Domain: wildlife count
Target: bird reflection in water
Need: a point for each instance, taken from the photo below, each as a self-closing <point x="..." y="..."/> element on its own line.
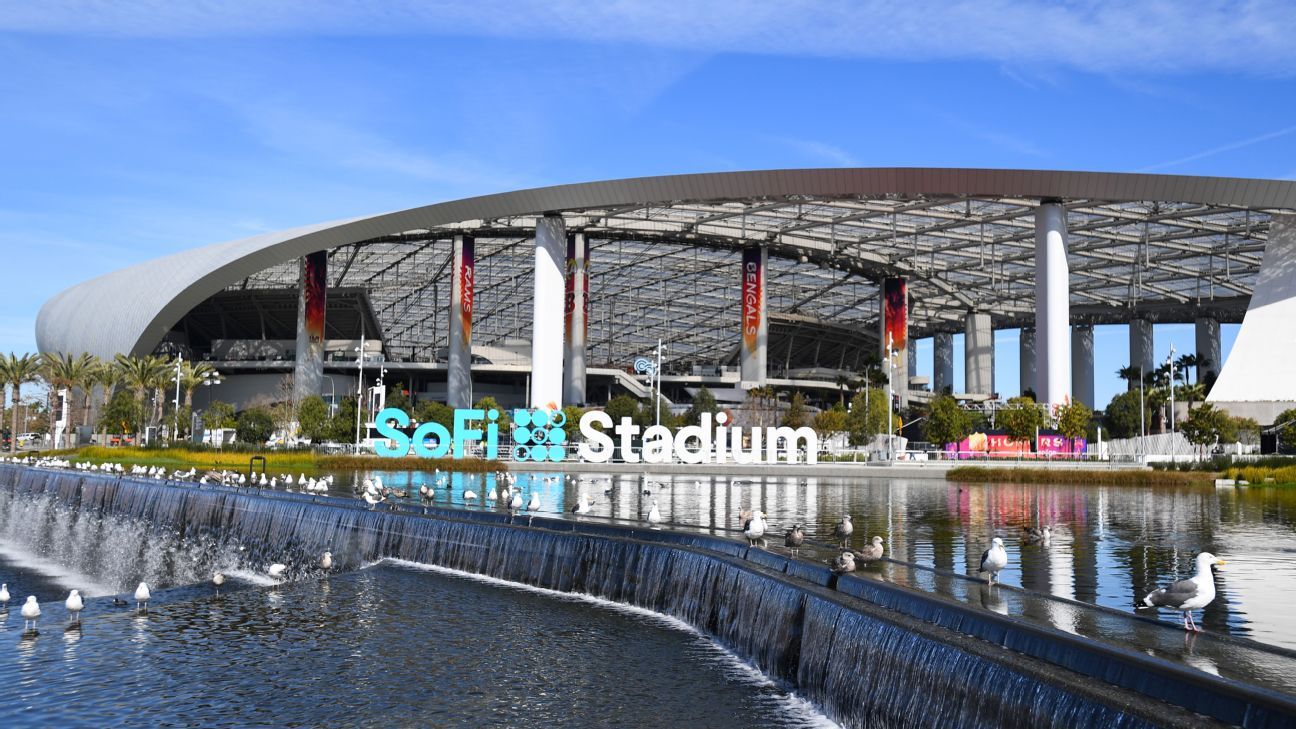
<point x="992" y="599"/>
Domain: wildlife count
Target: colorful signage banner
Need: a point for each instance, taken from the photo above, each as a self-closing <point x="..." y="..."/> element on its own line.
<point x="895" y="315"/>
<point x="314" y="292"/>
<point x="467" y="269"/>
<point x="753" y="295"/>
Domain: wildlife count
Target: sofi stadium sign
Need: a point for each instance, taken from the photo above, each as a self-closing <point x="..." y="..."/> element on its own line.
<point x="541" y="435"/>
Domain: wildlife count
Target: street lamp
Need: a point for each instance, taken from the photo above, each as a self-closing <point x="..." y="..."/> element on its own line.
<point x="360" y="357"/>
<point x="175" y="405"/>
<point x="1170" y="361"/>
<point x="657" y="372"/>
<point x="890" y="363"/>
<point x="209" y="379"/>
<point x="332" y="396"/>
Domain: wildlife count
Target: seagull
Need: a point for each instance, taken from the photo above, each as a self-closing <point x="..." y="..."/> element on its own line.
<point x="843" y="531"/>
<point x="654" y="515"/>
<point x="516" y="502"/>
<point x="218" y="579"/>
<point x="1036" y="535"/>
<point x="142" y="595"/>
<point x="372" y="500"/>
<point x="534" y="503"/>
<point x="30" y="613"/>
<point x="794" y="538"/>
<point x="4" y="597"/>
<point x="993" y="560"/>
<point x="583" y="505"/>
<point x="871" y="552"/>
<point x="326" y="562"/>
<point x="74" y="604"/>
<point x="754" y="528"/>
<point x="845" y="562"/>
<point x="276" y="570"/>
<point x="1194" y="593"/>
<point x="470" y="496"/>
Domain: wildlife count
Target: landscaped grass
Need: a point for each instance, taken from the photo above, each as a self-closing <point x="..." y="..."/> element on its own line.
<point x="1263" y="475"/>
<point x="1088" y="476"/>
<point x="288" y="461"/>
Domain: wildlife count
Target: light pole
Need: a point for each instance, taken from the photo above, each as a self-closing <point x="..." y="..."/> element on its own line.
<point x="1170" y="361"/>
<point x="657" y="372"/>
<point x="890" y="443"/>
<point x="209" y="379"/>
<point x="175" y="406"/>
<point x="332" y="396"/>
<point x="359" y="389"/>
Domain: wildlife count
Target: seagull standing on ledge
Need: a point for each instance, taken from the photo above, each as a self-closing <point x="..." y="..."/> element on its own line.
<point x="583" y="505"/>
<point x="993" y="560"/>
<point x="74" y="605"/>
<point x="872" y="552"/>
<point x="794" y="538"/>
<point x="30" y="613"/>
<point x="4" y="597"/>
<point x="845" y="562"/>
<point x="218" y="579"/>
<point x="654" y="515"/>
<point x="142" y="595"/>
<point x="1194" y="593"/>
<point x="754" y="529"/>
<point x="843" y="531"/>
<point x="534" y="503"/>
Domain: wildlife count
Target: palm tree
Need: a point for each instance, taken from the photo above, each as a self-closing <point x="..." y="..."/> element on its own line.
<point x="1130" y="375"/>
<point x="107" y="377"/>
<point x="192" y="376"/>
<point x="141" y="374"/>
<point x="1183" y="364"/>
<point x="15" y="372"/>
<point x="65" y="372"/>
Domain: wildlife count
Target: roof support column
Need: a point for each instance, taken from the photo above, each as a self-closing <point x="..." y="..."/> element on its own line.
<point x="893" y="334"/>
<point x="942" y="362"/>
<point x="1026" y="360"/>
<point x="1208" y="349"/>
<point x="978" y="354"/>
<point x="755" y="318"/>
<point x="547" y="313"/>
<point x="462" y="279"/>
<point x="1052" y="305"/>
<point x="1082" y="364"/>
<point x="1140" y="347"/>
<point x="308" y="374"/>
<point x="577" y="319"/>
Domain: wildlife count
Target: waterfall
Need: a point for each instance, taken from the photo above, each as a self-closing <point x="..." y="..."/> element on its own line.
<point x="863" y="668"/>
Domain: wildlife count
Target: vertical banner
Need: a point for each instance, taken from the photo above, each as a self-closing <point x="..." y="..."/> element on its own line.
<point x="755" y="322"/>
<point x="459" y="360"/>
<point x="895" y="331"/>
<point x="311" y="304"/>
<point x="576" y="319"/>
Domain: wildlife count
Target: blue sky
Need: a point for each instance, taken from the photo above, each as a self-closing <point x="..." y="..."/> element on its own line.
<point x="135" y="129"/>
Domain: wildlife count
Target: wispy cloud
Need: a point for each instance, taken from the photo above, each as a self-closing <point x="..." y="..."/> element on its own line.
<point x="1231" y="146"/>
<point x="1099" y="35"/>
<point x="815" y="152"/>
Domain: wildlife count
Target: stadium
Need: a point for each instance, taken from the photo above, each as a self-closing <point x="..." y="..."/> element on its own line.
<point x="788" y="279"/>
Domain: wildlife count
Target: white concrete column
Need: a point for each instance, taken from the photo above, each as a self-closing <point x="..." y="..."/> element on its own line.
<point x="1026" y="359"/>
<point x="1052" y="305"/>
<point x="755" y="318"/>
<point x="1082" y="365"/>
<point x="1208" y="349"/>
<point x="1140" y="346"/>
<point x="577" y="319"/>
<point x="462" y="288"/>
<point x="893" y="330"/>
<point x="312" y="301"/>
<point x="942" y="361"/>
<point x="978" y="354"/>
<point x="547" y="313"/>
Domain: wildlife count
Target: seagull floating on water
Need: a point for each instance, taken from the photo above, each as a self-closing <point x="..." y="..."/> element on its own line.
<point x="1194" y="593"/>
<point x="142" y="595"/>
<point x="1037" y="535"/>
<point x="794" y="538"/>
<point x="30" y="613"/>
<point x="843" y="531"/>
<point x="871" y="552"/>
<point x="74" y="604"/>
<point x="993" y="560"/>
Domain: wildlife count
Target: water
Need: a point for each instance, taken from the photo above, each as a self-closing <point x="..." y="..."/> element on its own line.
<point x="387" y="646"/>
<point x="1112" y="545"/>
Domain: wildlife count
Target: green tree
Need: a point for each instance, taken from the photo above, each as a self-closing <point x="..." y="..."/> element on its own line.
<point x="762" y="406"/>
<point x="1286" y="422"/>
<point x="1122" y="416"/>
<point x="219" y="415"/>
<point x="141" y="374"/>
<point x="396" y="398"/>
<point x="624" y="406"/>
<point x="255" y="425"/>
<point x="1205" y="425"/>
<point x="486" y="404"/>
<point x="313" y="418"/>
<point x="703" y="402"/>
<point x="342" y="426"/>
<point x="868" y="416"/>
<point x="797" y="414"/>
<point x="67" y="372"/>
<point x="663" y="415"/>
<point x="431" y="411"/>
<point x="122" y="414"/>
<point x="16" y="371"/>
<point x="832" y="420"/>
<point x="571" y="426"/>
<point x="1020" y="418"/>
<point x="1073" y="419"/>
<point x="947" y="423"/>
<point x="1244" y="430"/>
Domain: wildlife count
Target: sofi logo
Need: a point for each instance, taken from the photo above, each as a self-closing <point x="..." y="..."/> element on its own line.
<point x="540" y="435"/>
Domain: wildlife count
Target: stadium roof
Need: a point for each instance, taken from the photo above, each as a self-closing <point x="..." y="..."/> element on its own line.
<point x="664" y="257"/>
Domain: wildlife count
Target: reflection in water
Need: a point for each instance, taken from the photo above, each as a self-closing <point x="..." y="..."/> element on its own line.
<point x="1110" y="545"/>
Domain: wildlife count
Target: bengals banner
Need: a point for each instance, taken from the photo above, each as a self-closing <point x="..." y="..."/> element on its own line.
<point x="753" y="297"/>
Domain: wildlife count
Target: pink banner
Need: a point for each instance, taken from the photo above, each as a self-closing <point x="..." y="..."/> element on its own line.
<point x="752" y="300"/>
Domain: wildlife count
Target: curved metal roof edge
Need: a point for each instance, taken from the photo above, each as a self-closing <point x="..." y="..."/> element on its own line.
<point x="131" y="309"/>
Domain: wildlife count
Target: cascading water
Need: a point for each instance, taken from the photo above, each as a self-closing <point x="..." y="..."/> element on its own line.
<point x="862" y="670"/>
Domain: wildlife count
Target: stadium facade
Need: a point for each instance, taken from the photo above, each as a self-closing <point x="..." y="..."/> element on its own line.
<point x="791" y="278"/>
